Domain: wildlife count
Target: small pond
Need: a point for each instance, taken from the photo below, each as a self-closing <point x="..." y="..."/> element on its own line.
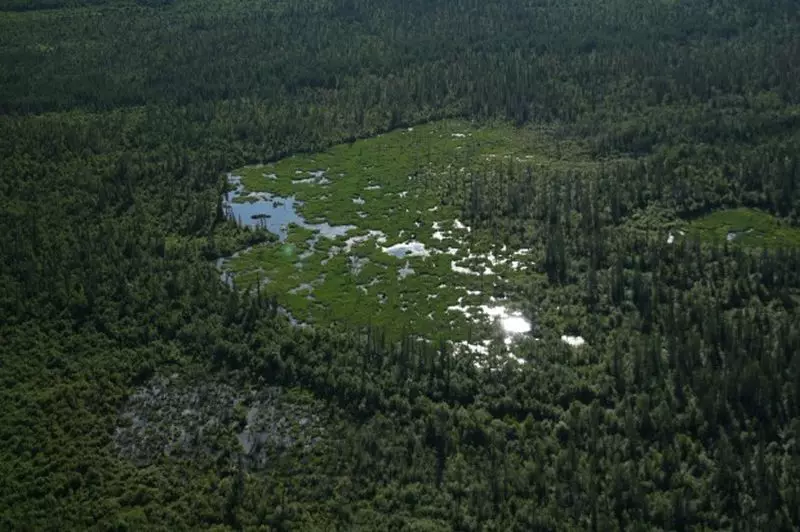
<point x="273" y="213"/>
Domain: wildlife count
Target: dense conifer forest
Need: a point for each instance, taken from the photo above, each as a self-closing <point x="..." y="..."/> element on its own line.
<point x="659" y="204"/>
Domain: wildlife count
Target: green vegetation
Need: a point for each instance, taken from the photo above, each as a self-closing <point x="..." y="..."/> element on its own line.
<point x="402" y="182"/>
<point x="426" y="158"/>
<point x="747" y="227"/>
<point x="658" y="389"/>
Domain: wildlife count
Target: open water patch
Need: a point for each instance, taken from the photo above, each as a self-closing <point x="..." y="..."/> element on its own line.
<point x="574" y="341"/>
<point x="353" y="241"/>
<point x="405" y="271"/>
<point x="452" y="256"/>
<point x="317" y="177"/>
<point x="513" y="323"/>
<point x="411" y="248"/>
<point x="272" y="212"/>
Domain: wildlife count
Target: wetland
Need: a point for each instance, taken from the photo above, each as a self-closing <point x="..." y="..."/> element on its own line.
<point x="367" y="236"/>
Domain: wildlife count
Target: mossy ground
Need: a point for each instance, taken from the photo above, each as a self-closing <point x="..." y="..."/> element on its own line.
<point x="750" y="228"/>
<point x="394" y="183"/>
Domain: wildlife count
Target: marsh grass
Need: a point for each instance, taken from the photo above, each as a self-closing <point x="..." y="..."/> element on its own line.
<point x="751" y="228"/>
<point x="401" y="177"/>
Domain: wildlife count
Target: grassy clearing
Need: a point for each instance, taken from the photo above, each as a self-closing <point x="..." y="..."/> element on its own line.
<point x="747" y="227"/>
<point x="391" y="185"/>
<point x="406" y="164"/>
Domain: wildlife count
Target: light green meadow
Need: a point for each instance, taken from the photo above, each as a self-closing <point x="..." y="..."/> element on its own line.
<point x="748" y="227"/>
<point x="393" y="189"/>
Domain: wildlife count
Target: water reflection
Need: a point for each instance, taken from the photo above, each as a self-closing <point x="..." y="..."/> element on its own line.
<point x="412" y="248"/>
<point x="272" y="212"/>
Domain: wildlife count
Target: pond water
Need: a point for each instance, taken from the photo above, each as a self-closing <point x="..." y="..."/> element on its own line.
<point x="273" y="213"/>
<point x="277" y="214"/>
<point x="512" y="322"/>
<point x="574" y="341"/>
<point x="379" y="237"/>
<point x="405" y="271"/>
<point x="412" y="248"/>
<point x="312" y="181"/>
<point x="458" y="224"/>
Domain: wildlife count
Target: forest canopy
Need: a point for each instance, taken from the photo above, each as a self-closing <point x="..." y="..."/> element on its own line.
<point x="638" y="158"/>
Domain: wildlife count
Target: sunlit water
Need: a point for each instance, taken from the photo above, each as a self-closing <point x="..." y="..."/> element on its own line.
<point x="512" y="322"/>
<point x="412" y="248"/>
<point x="574" y="341"/>
<point x="273" y="213"/>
